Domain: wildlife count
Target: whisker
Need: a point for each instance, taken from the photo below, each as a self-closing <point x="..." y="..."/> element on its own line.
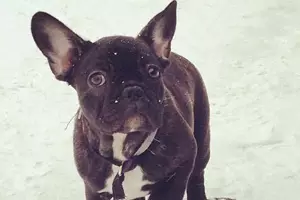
<point x="151" y="151"/>
<point x="170" y="177"/>
<point x="156" y="140"/>
<point x="72" y="119"/>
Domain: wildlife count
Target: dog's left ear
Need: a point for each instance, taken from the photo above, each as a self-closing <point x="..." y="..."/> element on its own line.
<point x="159" y="31"/>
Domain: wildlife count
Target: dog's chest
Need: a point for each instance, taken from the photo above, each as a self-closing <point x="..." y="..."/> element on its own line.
<point x="132" y="184"/>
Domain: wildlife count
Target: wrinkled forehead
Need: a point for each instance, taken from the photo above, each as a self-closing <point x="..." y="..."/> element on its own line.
<point x="123" y="43"/>
<point x="125" y="52"/>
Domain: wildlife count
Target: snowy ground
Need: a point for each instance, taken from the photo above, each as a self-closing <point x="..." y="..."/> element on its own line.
<point x="247" y="51"/>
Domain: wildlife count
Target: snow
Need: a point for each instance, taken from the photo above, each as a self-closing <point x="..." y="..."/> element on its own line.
<point x="247" y="51"/>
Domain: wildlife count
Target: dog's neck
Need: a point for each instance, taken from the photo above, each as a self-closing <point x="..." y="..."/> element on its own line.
<point x="102" y="144"/>
<point x="102" y="147"/>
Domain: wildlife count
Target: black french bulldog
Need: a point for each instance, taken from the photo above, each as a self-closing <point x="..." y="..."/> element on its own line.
<point x="143" y="123"/>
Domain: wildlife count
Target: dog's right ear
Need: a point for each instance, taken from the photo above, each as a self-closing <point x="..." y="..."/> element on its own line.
<point x="57" y="42"/>
<point x="159" y="31"/>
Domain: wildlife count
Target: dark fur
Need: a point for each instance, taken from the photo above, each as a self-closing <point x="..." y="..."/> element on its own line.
<point x="176" y="104"/>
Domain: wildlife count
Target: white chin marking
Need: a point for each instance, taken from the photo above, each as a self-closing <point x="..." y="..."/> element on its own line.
<point x="133" y="123"/>
<point x="118" y="143"/>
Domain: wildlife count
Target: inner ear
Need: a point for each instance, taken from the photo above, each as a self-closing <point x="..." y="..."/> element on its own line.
<point x="159" y="31"/>
<point x="61" y="46"/>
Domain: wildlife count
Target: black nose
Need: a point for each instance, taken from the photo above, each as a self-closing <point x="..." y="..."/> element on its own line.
<point x="133" y="93"/>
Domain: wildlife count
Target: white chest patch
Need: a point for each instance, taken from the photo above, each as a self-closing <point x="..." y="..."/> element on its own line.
<point x="132" y="184"/>
<point x="118" y="143"/>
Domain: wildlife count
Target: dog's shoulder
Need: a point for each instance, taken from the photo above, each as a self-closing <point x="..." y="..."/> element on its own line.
<point x="183" y="82"/>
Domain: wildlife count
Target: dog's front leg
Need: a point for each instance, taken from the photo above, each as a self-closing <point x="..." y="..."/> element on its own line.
<point x="173" y="187"/>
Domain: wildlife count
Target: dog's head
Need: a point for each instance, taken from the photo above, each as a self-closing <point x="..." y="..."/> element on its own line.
<point x="118" y="79"/>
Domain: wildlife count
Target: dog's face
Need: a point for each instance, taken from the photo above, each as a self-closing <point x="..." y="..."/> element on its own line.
<point x="119" y="85"/>
<point x="118" y="79"/>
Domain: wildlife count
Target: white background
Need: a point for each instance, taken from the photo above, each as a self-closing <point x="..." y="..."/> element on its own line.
<point x="248" y="53"/>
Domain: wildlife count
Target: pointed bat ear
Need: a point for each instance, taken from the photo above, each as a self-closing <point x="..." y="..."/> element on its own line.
<point x="57" y="42"/>
<point x="159" y="31"/>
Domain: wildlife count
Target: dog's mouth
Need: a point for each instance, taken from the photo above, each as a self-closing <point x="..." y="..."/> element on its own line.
<point x="136" y="123"/>
<point x="129" y="119"/>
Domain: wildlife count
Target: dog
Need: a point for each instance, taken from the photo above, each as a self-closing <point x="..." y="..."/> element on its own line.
<point x="142" y="127"/>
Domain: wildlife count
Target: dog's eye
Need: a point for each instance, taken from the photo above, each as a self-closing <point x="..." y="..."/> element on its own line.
<point x="153" y="71"/>
<point x="97" y="79"/>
